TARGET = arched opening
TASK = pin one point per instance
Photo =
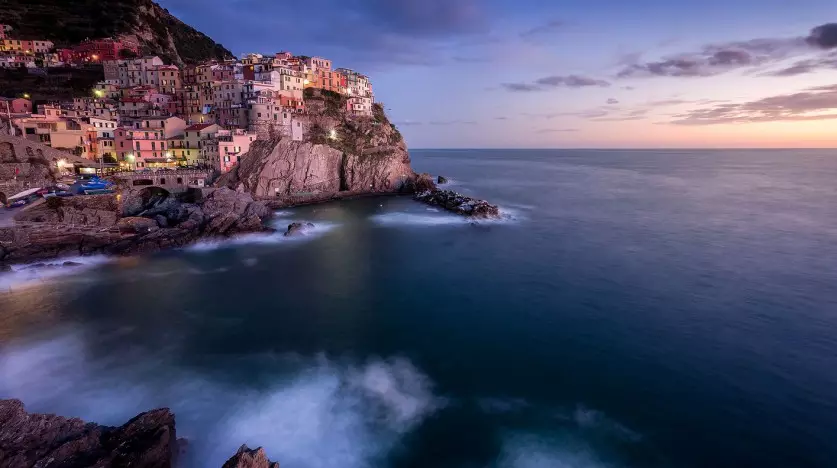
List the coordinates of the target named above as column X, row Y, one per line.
column 153, row 196
column 3, row 198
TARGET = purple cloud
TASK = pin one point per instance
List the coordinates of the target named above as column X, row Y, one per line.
column 556, row 81
column 543, row 30
column 714, row 59
column 817, row 103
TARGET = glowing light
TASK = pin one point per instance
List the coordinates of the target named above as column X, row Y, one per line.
column 332, row 134
column 25, row 95
column 94, row 57
column 98, row 93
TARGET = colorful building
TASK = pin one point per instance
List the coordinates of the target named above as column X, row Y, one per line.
column 229, row 146
column 15, row 106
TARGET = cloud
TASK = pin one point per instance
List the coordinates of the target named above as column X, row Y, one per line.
column 613, row 101
column 501, row 118
column 669, row 102
column 521, row 87
column 817, row 103
column 557, row 130
column 628, row 88
column 715, row 59
column 350, row 31
column 824, row 36
column 556, row 81
column 571, row 81
column 545, row 29
column 805, row 66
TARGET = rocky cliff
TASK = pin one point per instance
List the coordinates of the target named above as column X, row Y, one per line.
column 153, row 27
column 149, row 440
column 341, row 154
column 138, row 224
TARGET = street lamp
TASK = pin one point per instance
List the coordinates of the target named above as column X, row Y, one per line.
column 26, row 96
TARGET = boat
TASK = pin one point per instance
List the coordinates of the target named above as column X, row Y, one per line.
column 95, row 183
column 24, row 197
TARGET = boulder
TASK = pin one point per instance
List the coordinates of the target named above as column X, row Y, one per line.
column 419, row 183
column 136, row 225
column 71, row 264
column 441, row 180
column 161, row 221
column 298, row 229
column 29, row 440
column 247, row 458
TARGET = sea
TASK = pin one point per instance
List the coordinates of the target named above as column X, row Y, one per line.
column 643, row 308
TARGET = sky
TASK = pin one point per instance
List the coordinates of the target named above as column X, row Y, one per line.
column 566, row 73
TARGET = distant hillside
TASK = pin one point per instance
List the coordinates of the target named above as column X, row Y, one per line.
column 66, row 22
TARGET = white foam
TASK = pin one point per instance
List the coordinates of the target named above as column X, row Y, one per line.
column 278, row 237
column 418, row 219
column 532, row 451
column 324, row 414
column 25, row 276
column 406, row 218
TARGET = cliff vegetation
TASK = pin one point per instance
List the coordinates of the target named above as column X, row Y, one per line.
column 153, row 27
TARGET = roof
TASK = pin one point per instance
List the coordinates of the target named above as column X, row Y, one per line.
column 198, row 127
column 12, row 99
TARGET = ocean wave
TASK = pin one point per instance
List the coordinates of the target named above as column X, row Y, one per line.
column 29, row 275
column 406, row 218
column 278, row 237
column 536, row 451
column 326, row 413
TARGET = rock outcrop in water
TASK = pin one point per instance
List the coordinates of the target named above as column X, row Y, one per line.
column 44, row 440
column 149, row 440
column 427, row 192
column 246, row 458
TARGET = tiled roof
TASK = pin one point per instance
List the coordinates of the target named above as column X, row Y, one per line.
column 198, row 127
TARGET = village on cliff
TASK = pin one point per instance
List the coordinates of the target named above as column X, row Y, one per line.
column 146, row 114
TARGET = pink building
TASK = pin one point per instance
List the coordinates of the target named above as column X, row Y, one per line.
column 232, row 144
column 15, row 105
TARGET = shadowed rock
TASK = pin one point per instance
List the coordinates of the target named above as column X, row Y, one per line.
column 46, row 440
column 298, row 229
column 246, row 458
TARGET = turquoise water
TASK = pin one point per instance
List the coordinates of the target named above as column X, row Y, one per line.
column 632, row 309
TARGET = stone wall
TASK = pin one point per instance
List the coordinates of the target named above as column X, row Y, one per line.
column 26, row 164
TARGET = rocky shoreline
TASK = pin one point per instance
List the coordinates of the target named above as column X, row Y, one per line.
column 149, row 440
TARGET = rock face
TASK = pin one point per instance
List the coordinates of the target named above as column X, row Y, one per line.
column 222, row 212
column 277, row 168
column 246, row 458
column 342, row 154
column 459, row 204
column 441, row 180
column 40, row 440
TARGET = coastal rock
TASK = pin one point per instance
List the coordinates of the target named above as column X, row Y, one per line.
column 136, row 225
column 161, row 221
column 228, row 211
column 441, row 180
column 297, row 229
column 247, row 458
column 420, row 183
column 41, row 440
column 343, row 154
column 459, row 204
